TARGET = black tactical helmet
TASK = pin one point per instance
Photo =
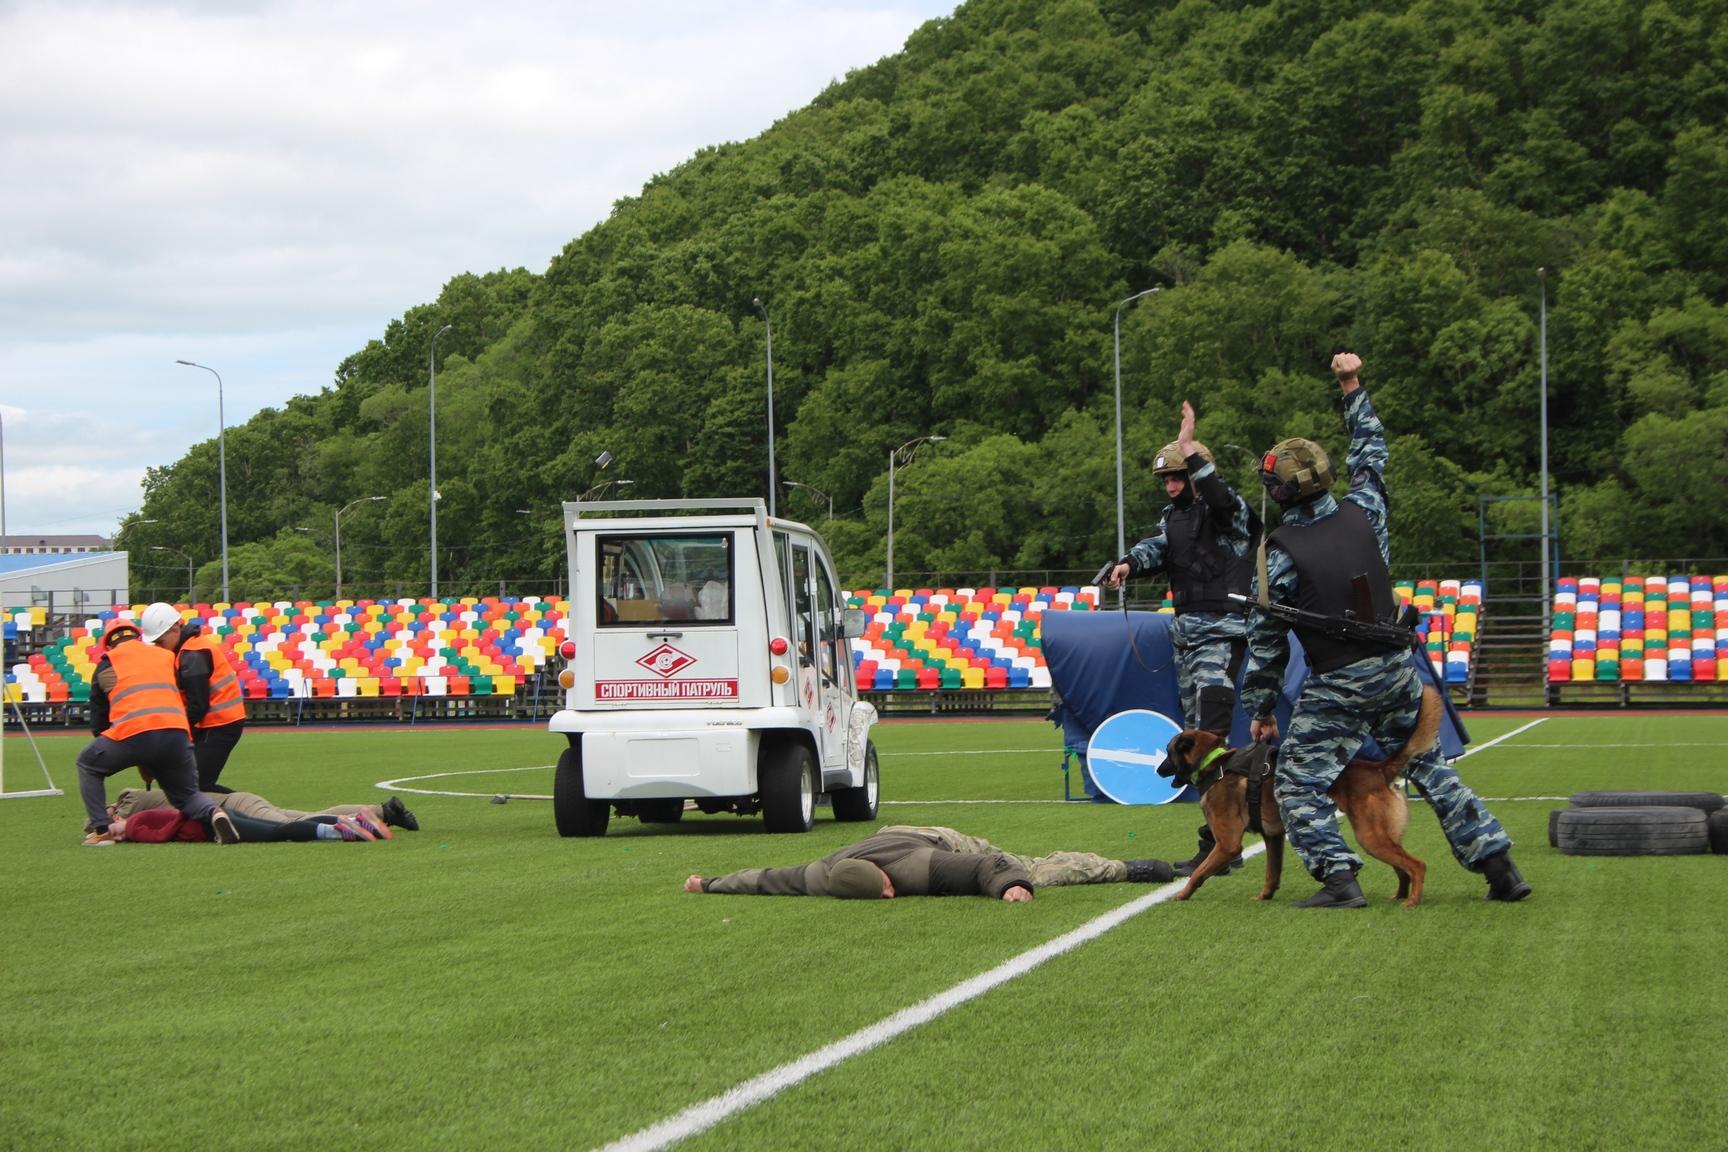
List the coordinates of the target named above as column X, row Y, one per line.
column 1295, row 470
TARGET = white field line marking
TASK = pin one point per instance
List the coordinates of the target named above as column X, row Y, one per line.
column 400, row 784
column 1640, row 744
column 1502, row 739
column 982, row 752
column 700, row 1117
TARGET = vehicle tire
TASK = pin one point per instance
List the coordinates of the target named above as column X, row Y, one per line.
column 860, row 803
column 1554, row 827
column 1703, row 801
column 575, row 813
column 787, row 780
column 660, row 811
column 1632, row 832
column 1719, row 832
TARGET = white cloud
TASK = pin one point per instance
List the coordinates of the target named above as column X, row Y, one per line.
column 263, row 186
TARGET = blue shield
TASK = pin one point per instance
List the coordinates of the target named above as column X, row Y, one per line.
column 1125, row 753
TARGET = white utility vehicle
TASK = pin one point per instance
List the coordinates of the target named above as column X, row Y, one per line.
column 707, row 660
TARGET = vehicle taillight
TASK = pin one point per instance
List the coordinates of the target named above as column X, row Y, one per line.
column 780, row 674
column 567, row 678
column 778, row 646
column 567, row 650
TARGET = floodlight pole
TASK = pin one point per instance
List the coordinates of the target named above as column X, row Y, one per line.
column 1121, row 516
column 1547, row 597
column 432, row 433
column 757, row 302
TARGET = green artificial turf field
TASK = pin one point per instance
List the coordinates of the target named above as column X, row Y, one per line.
column 485, row 984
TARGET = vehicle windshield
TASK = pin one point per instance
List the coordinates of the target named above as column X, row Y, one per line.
column 655, row 579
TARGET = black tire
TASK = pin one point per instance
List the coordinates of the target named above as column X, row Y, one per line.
column 660, row 811
column 1719, row 832
column 787, row 781
column 1554, row 827
column 1632, row 832
column 575, row 813
column 1703, row 801
column 862, row 802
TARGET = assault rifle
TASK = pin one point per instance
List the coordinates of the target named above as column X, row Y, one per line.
column 1357, row 623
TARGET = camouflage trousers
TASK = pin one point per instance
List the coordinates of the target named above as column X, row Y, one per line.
column 1204, row 659
column 1337, row 711
column 1052, row 871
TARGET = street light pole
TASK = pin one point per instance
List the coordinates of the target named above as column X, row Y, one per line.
column 912, row 444
column 432, row 433
column 191, row 589
column 221, row 465
column 770, row 331
column 812, row 488
column 1547, row 598
column 1121, row 517
column 339, row 511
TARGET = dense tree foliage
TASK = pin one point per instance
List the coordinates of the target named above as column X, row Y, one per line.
column 942, row 240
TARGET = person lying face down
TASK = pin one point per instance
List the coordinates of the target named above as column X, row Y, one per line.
column 903, row 860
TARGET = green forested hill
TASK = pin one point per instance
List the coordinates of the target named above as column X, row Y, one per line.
column 942, row 239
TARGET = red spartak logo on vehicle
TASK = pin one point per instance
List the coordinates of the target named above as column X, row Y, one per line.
column 666, row 661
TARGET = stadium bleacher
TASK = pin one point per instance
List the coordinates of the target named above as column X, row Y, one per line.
column 1639, row 629
column 929, row 640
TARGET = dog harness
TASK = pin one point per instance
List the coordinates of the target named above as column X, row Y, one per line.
column 1252, row 763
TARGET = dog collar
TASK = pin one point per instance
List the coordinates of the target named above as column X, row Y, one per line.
column 1210, row 756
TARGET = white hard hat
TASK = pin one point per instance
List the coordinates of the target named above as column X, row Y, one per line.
column 157, row 619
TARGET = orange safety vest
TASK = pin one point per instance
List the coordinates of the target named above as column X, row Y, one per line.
column 226, row 706
column 145, row 696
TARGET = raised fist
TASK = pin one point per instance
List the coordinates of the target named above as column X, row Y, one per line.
column 1346, row 365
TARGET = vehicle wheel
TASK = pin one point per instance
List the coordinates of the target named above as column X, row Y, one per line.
column 1554, row 827
column 860, row 803
column 1719, row 832
column 787, row 780
column 660, row 811
column 1632, row 831
column 575, row 813
column 1703, row 801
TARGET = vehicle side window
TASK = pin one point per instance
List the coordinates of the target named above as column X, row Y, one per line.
column 829, row 625
column 803, row 622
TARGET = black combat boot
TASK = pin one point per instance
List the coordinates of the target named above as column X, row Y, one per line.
column 1505, row 882
column 1341, row 891
column 1186, row 867
column 1149, row 871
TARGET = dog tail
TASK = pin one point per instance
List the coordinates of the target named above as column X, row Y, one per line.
column 1422, row 737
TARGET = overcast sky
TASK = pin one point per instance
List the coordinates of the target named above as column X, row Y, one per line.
column 262, row 186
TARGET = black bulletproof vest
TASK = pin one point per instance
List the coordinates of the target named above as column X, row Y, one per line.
column 1202, row 573
column 1329, row 554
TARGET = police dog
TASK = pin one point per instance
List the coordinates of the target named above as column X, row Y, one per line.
column 1363, row 791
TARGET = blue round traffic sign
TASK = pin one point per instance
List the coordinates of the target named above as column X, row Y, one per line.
column 1125, row 753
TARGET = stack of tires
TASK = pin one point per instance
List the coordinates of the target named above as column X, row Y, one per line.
column 1640, row 824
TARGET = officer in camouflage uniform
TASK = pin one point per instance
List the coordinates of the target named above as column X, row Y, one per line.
column 1355, row 688
column 1204, row 538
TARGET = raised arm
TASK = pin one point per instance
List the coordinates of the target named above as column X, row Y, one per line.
column 1367, row 458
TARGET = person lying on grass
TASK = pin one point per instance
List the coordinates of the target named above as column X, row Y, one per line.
column 931, row 861
column 392, row 812
column 140, row 818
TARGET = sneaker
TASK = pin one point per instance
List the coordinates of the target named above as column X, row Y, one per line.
column 379, row 829
column 395, row 812
column 351, row 829
column 100, row 840
column 222, row 828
